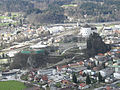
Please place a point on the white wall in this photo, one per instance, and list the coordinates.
(85, 32)
(117, 75)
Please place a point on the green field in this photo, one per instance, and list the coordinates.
(118, 84)
(3, 17)
(12, 85)
(15, 14)
(6, 24)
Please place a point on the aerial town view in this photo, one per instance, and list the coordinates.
(59, 44)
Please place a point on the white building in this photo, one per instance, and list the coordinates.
(12, 53)
(38, 46)
(47, 72)
(0, 75)
(56, 29)
(117, 75)
(106, 72)
(117, 70)
(117, 27)
(56, 78)
(86, 30)
(5, 20)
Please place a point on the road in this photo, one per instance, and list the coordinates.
(101, 88)
(75, 24)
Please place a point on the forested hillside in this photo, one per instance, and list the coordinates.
(58, 11)
(15, 5)
(97, 10)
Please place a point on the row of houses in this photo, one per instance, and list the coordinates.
(106, 64)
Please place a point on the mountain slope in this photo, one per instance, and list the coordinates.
(78, 10)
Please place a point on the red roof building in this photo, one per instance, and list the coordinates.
(44, 78)
(65, 82)
(82, 84)
(100, 54)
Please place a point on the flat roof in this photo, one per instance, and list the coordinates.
(38, 46)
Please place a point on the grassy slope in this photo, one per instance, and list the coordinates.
(11, 85)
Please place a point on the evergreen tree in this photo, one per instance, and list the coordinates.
(95, 45)
(103, 65)
(100, 77)
(84, 74)
(3, 55)
(21, 22)
(47, 87)
(94, 64)
(88, 81)
(74, 78)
